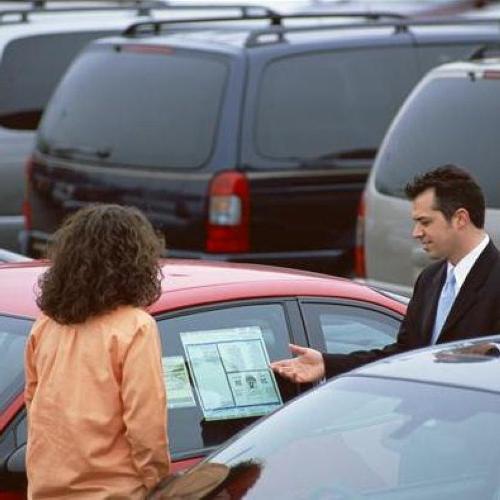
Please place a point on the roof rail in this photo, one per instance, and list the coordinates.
(142, 8)
(401, 24)
(275, 19)
(486, 50)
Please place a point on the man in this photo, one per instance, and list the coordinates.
(456, 298)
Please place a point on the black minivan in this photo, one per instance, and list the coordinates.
(247, 143)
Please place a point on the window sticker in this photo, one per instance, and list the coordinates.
(231, 373)
(179, 391)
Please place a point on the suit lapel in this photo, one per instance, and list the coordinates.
(469, 290)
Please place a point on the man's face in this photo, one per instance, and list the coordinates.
(437, 235)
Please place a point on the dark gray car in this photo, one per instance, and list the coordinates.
(239, 143)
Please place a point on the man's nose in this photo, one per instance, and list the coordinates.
(417, 231)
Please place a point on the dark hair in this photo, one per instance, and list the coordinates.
(454, 188)
(103, 256)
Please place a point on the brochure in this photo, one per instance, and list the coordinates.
(230, 369)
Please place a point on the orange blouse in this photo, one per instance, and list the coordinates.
(96, 408)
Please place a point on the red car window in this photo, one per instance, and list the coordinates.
(204, 413)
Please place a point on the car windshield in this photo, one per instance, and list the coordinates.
(435, 128)
(135, 105)
(13, 335)
(361, 437)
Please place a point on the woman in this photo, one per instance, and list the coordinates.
(94, 387)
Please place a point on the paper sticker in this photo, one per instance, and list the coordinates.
(179, 391)
(231, 373)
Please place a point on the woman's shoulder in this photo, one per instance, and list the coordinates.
(125, 324)
(128, 318)
(42, 322)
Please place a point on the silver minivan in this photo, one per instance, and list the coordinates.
(452, 116)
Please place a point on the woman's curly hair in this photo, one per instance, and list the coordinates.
(103, 256)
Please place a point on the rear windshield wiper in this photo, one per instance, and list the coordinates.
(350, 154)
(339, 159)
(71, 152)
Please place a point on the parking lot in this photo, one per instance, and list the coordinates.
(271, 145)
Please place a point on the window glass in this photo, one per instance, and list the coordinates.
(347, 328)
(151, 107)
(370, 438)
(331, 102)
(435, 129)
(31, 68)
(13, 335)
(191, 427)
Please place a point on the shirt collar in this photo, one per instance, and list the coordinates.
(462, 269)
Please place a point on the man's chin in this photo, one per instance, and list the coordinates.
(432, 254)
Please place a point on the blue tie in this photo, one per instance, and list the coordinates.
(444, 305)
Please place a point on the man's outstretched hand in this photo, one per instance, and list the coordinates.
(308, 366)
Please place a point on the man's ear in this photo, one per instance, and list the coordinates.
(461, 218)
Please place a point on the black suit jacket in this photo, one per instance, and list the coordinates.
(475, 312)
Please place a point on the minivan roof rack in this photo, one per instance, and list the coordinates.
(486, 50)
(276, 19)
(401, 24)
(142, 7)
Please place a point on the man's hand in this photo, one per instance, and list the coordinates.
(482, 349)
(308, 366)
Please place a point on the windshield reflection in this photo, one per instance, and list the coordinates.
(363, 437)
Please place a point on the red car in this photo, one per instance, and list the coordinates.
(220, 325)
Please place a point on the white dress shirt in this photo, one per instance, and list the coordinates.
(463, 267)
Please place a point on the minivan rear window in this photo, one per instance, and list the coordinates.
(13, 335)
(435, 129)
(148, 108)
(312, 105)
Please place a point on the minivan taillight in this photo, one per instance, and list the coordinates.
(228, 214)
(26, 203)
(359, 249)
